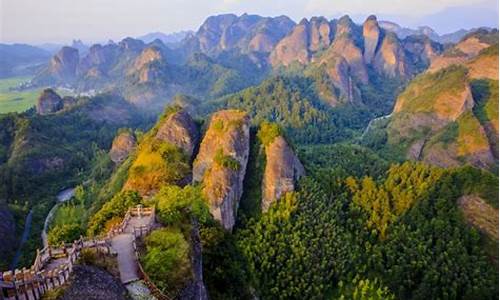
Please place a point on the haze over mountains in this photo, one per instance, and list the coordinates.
(300, 160)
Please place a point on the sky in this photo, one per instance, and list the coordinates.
(60, 21)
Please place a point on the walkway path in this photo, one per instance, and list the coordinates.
(122, 244)
(53, 266)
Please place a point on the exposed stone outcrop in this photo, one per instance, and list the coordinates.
(421, 51)
(196, 288)
(89, 282)
(180, 130)
(63, 65)
(465, 50)
(292, 48)
(283, 169)
(245, 33)
(371, 34)
(221, 163)
(390, 60)
(49, 102)
(122, 145)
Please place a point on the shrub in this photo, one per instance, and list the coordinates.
(268, 132)
(174, 204)
(66, 233)
(166, 260)
(226, 161)
(116, 207)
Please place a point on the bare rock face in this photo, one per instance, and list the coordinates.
(64, 64)
(145, 65)
(179, 129)
(422, 50)
(293, 48)
(90, 282)
(371, 34)
(148, 56)
(122, 145)
(221, 163)
(304, 40)
(246, 33)
(390, 59)
(321, 34)
(49, 102)
(345, 47)
(283, 169)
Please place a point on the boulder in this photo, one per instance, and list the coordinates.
(49, 102)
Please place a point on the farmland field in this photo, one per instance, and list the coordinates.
(15, 101)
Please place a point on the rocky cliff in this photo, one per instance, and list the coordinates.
(163, 155)
(122, 145)
(64, 64)
(221, 163)
(282, 171)
(468, 48)
(338, 54)
(49, 102)
(245, 33)
(179, 129)
(448, 116)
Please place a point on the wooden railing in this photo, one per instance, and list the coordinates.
(32, 283)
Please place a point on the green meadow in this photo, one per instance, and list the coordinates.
(14, 101)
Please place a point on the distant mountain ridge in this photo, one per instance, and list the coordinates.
(403, 32)
(170, 39)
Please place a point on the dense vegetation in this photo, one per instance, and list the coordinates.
(312, 244)
(292, 103)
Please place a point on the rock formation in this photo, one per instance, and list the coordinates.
(302, 42)
(179, 129)
(221, 163)
(90, 282)
(391, 59)
(371, 35)
(122, 145)
(293, 48)
(283, 169)
(63, 66)
(49, 102)
(245, 33)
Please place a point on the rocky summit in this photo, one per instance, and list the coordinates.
(221, 163)
(122, 145)
(282, 171)
(179, 129)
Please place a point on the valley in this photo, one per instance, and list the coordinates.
(258, 158)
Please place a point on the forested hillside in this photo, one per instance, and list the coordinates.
(323, 159)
